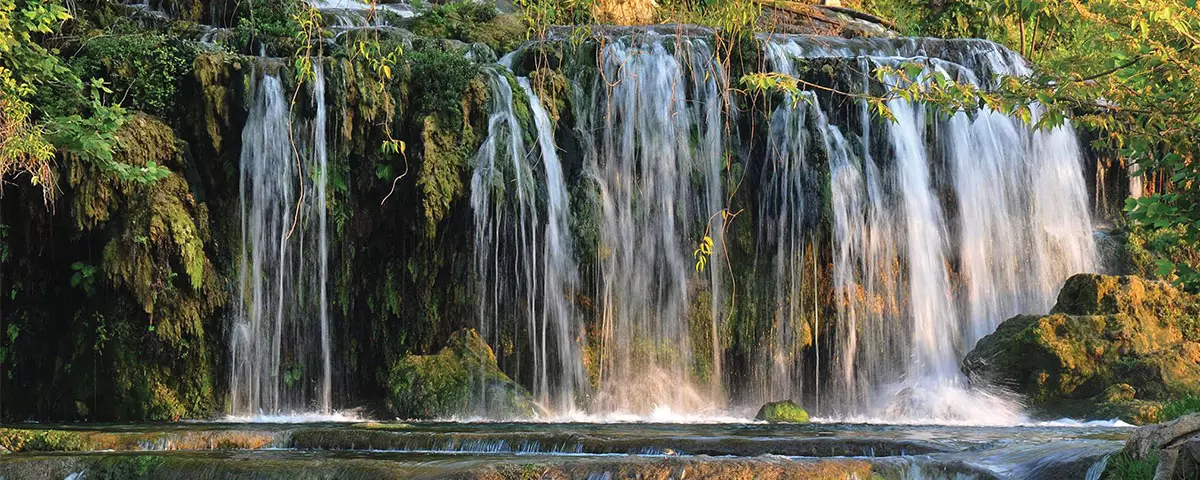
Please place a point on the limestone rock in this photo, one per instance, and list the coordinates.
(461, 379)
(1111, 347)
(1149, 438)
(625, 12)
(782, 412)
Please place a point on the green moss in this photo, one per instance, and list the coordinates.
(151, 344)
(1112, 347)
(471, 22)
(211, 72)
(554, 90)
(439, 80)
(18, 440)
(461, 379)
(782, 412)
(164, 405)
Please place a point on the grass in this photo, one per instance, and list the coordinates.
(1124, 467)
(1180, 407)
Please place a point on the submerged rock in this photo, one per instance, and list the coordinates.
(782, 412)
(1111, 347)
(461, 379)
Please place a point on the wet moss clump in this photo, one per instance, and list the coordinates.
(782, 412)
(462, 379)
(15, 440)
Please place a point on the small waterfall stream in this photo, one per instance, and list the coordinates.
(280, 352)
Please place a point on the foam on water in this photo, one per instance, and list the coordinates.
(296, 417)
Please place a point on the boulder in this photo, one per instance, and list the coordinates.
(782, 412)
(1111, 347)
(1176, 444)
(460, 380)
(1150, 438)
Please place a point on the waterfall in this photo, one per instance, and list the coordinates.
(280, 351)
(884, 249)
(941, 230)
(651, 216)
(525, 264)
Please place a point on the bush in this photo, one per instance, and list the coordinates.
(144, 69)
(270, 25)
(1179, 407)
(471, 22)
(439, 80)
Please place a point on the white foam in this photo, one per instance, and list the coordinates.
(296, 417)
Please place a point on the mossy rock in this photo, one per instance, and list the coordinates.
(460, 380)
(782, 412)
(16, 440)
(1111, 347)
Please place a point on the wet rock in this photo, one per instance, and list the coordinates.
(1111, 347)
(782, 412)
(461, 379)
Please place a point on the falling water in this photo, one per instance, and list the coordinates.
(280, 338)
(917, 237)
(940, 231)
(649, 214)
(522, 233)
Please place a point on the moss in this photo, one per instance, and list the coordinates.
(554, 90)
(443, 167)
(164, 404)
(211, 72)
(155, 259)
(461, 379)
(782, 412)
(18, 440)
(471, 22)
(440, 79)
(1112, 346)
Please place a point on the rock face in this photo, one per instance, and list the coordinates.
(1111, 347)
(1176, 443)
(461, 379)
(782, 412)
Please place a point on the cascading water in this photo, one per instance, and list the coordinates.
(280, 352)
(647, 118)
(917, 279)
(937, 229)
(519, 281)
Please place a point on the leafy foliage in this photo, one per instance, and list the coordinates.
(1179, 407)
(1123, 466)
(145, 68)
(24, 66)
(439, 79)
